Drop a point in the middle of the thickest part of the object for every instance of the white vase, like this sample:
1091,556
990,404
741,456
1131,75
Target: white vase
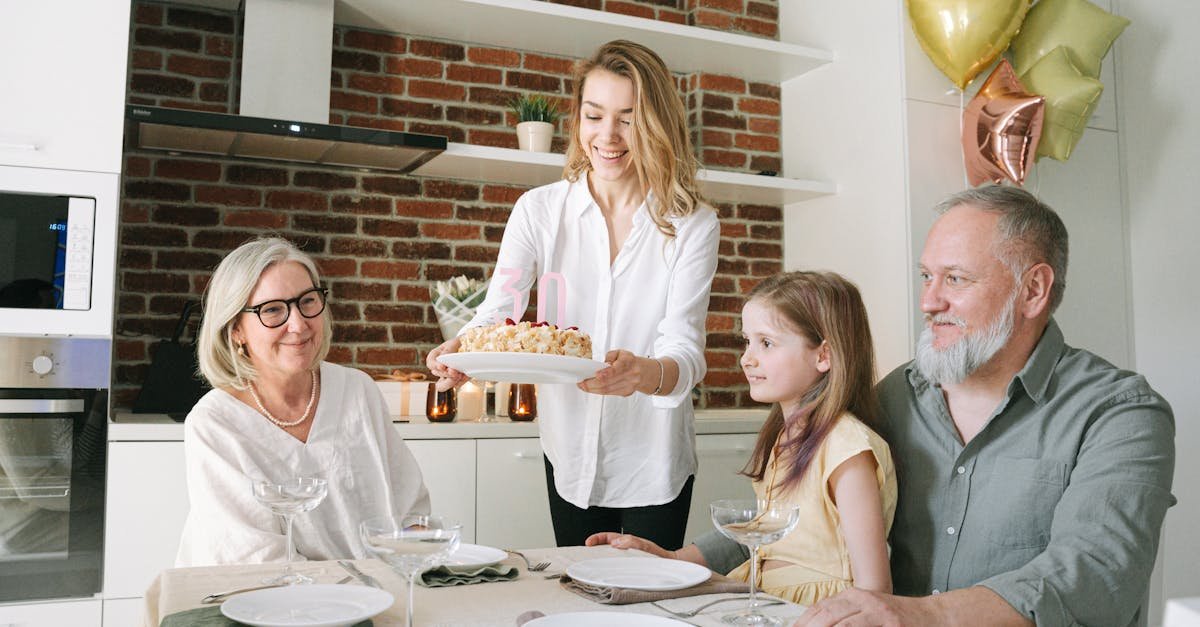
535,136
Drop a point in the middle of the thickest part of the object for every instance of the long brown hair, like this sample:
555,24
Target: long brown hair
662,148
821,307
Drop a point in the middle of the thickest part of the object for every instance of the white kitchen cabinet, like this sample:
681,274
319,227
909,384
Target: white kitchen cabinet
448,467
64,83
146,505
80,613
124,612
720,458
513,509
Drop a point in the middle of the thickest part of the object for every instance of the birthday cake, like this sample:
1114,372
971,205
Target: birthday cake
526,337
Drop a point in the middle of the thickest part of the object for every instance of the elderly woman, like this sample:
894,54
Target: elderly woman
278,411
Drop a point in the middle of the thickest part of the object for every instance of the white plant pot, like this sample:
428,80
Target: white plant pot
535,136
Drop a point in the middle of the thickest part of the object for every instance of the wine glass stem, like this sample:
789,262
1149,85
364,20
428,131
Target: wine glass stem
291,548
411,578
753,578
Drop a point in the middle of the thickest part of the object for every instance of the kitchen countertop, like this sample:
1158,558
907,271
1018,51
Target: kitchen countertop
127,426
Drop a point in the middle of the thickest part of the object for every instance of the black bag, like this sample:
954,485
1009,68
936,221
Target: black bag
172,386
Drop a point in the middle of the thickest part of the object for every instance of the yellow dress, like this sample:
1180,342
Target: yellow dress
819,563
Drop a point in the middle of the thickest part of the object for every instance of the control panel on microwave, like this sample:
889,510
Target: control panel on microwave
46,247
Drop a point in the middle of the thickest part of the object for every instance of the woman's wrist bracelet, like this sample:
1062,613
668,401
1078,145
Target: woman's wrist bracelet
662,371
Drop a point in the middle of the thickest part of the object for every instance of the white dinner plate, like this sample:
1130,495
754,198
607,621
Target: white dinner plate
639,573
522,367
316,605
602,619
473,556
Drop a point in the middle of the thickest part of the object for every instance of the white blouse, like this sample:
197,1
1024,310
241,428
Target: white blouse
352,444
613,451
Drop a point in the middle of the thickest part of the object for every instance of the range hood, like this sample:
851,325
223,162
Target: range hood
186,131
287,51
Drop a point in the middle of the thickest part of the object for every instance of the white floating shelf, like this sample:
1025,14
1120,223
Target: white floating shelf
574,32
521,167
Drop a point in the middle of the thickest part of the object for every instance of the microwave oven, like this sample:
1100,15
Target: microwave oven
58,246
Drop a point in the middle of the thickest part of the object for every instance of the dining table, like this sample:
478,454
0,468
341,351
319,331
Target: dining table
500,603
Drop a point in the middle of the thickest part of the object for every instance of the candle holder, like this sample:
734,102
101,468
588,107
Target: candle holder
440,406
522,402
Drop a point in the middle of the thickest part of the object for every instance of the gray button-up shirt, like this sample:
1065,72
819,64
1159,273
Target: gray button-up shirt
1056,505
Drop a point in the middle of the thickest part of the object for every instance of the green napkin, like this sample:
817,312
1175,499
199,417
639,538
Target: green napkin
441,576
211,616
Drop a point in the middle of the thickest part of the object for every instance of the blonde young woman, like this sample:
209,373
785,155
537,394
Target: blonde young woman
278,411
638,248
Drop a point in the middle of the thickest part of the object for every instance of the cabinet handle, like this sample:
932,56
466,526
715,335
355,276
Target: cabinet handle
524,455
17,146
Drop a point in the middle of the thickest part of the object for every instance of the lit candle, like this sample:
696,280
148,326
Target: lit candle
522,402
470,401
440,406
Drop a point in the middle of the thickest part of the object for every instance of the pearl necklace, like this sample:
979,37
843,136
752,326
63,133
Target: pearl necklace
312,398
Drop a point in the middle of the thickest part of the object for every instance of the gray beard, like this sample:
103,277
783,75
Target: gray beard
956,362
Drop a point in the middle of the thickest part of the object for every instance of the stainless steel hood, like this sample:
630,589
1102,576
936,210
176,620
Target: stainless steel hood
286,52
185,131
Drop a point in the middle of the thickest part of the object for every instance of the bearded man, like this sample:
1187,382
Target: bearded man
1034,477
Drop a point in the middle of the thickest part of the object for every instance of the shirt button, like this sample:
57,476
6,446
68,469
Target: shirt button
950,530
936,591
961,470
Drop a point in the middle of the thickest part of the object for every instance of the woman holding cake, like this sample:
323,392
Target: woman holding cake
629,232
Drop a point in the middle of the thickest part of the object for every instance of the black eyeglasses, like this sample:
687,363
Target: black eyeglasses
274,313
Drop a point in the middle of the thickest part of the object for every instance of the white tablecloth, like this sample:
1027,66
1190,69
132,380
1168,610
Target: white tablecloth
489,604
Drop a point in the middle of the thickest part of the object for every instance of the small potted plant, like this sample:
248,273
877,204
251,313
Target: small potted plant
536,116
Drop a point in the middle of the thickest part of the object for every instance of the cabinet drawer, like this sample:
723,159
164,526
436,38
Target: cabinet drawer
83,613
448,468
513,510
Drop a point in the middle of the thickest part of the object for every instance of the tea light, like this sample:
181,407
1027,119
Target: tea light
470,401
522,402
440,406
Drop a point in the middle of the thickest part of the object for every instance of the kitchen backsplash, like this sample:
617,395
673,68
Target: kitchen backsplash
381,239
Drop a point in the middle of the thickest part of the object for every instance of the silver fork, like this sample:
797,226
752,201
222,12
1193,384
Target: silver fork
692,612
533,568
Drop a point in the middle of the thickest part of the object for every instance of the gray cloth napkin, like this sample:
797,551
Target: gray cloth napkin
211,616
623,596
442,576
525,617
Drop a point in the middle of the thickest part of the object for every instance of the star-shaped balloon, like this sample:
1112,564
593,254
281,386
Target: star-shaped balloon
1001,128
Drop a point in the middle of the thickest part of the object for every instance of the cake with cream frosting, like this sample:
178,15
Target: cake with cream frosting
526,337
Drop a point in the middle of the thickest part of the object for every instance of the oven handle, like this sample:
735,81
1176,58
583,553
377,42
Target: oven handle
40,406
41,492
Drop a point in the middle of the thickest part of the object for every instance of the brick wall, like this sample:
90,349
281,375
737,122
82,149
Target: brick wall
380,239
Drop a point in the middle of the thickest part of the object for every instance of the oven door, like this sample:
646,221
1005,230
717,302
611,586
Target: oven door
52,448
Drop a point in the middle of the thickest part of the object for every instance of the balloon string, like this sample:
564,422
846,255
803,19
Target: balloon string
966,182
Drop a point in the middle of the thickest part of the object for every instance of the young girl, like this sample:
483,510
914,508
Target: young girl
808,351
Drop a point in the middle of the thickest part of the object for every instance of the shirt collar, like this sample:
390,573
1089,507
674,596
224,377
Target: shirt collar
579,200
1034,377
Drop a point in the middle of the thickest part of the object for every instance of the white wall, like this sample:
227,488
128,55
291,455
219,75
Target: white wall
1158,99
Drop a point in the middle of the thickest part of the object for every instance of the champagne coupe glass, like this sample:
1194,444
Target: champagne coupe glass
410,544
286,499
753,523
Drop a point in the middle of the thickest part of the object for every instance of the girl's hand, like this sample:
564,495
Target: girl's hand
447,376
626,541
625,374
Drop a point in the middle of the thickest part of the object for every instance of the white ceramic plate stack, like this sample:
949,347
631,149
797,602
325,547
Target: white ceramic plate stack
473,557
639,573
522,367
316,605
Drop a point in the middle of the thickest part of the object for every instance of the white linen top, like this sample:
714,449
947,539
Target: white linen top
352,444
652,300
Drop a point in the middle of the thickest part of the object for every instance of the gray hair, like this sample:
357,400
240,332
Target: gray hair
226,295
1029,231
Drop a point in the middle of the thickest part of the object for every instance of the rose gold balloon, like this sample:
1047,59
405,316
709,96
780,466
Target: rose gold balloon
1001,128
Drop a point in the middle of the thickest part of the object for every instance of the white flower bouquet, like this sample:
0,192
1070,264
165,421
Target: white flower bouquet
455,302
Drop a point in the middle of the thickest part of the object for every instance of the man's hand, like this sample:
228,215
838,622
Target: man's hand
866,608
626,541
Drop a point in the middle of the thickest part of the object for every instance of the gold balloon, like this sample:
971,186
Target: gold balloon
1071,97
963,37
1001,128
1084,29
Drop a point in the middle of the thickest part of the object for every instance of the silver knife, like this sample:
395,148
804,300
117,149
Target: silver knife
359,575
